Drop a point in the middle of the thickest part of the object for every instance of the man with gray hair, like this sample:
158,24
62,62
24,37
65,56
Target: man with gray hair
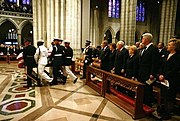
120,59
148,66
104,58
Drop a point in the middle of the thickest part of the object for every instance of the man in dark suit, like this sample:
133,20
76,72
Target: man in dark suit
162,52
56,57
120,62
112,55
88,57
120,59
104,57
148,66
30,63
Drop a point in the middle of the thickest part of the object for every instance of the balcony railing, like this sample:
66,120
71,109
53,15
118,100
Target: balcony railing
15,14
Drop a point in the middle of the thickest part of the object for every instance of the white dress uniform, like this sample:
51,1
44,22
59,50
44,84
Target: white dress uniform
41,58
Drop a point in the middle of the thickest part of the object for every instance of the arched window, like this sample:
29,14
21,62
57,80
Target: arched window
26,2
140,11
12,34
113,8
12,1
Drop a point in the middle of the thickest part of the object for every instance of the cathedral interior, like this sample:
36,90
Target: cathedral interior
76,21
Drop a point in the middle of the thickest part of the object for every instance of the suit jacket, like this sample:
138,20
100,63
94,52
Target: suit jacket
105,59
120,60
68,56
132,66
148,63
171,70
112,59
5,50
162,55
11,51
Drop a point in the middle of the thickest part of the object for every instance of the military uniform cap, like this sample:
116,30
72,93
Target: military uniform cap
87,41
58,39
40,40
67,41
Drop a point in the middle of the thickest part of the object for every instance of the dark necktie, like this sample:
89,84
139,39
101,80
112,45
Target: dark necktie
143,50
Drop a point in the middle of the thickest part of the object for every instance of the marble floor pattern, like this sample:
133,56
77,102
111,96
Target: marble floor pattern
70,102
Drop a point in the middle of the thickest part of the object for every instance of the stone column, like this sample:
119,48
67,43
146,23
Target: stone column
73,20
39,6
17,2
62,19
79,21
85,30
44,30
94,33
19,38
92,25
52,18
114,39
48,22
128,21
56,13
35,21
168,18
96,27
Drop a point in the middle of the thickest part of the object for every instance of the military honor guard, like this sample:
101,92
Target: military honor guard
56,57
68,61
30,63
41,59
87,57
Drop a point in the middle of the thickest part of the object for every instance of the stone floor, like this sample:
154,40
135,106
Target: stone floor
70,102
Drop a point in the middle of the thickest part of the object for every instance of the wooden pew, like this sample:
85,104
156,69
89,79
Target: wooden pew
96,63
79,65
4,58
8,58
12,58
133,106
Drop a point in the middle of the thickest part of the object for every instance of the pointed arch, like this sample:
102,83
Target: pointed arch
110,29
117,38
23,23
2,20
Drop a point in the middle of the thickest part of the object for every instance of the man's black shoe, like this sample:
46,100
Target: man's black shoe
82,77
64,78
39,85
75,80
27,86
52,83
166,117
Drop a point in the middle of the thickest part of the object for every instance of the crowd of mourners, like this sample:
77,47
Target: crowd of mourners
10,49
144,62
15,8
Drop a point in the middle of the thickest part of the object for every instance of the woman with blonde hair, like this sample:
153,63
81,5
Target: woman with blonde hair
132,63
169,77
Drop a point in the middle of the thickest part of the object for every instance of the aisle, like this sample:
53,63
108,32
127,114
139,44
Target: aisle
70,102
